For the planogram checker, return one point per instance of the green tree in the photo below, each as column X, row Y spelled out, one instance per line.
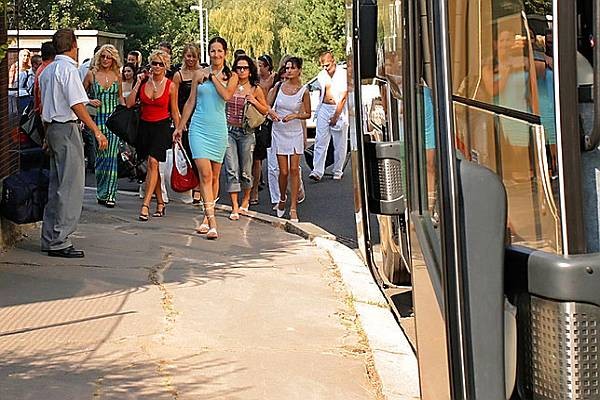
column 318, row 25
column 540, row 7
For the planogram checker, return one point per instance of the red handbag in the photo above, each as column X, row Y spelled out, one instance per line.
column 180, row 182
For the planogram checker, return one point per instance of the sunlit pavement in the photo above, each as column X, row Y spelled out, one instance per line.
column 156, row 311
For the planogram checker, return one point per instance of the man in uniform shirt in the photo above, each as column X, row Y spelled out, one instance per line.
column 332, row 118
column 63, row 100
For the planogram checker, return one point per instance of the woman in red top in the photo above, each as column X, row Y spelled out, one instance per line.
column 158, row 111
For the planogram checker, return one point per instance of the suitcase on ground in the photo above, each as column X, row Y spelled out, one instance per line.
column 24, row 196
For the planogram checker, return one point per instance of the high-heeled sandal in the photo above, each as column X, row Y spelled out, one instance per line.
column 209, row 209
column 279, row 210
column 144, row 217
column 162, row 212
column 292, row 212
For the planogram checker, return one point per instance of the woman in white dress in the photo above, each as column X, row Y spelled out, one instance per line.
column 290, row 106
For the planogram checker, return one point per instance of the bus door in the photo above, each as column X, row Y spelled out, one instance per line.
column 376, row 101
column 521, row 323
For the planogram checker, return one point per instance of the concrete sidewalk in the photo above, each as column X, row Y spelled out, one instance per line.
column 155, row 311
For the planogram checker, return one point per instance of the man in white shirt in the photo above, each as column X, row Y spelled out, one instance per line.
column 63, row 101
column 332, row 118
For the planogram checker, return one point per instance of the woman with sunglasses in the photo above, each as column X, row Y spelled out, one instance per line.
column 211, row 88
column 183, row 83
column 158, row 101
column 238, row 157
column 103, row 82
column 291, row 105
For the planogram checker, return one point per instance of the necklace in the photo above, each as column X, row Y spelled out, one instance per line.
column 241, row 87
column 156, row 87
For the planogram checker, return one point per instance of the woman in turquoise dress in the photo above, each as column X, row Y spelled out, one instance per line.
column 103, row 84
column 211, row 88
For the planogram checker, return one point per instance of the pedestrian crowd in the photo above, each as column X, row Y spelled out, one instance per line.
column 207, row 108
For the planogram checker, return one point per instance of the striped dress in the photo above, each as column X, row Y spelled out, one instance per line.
column 106, row 160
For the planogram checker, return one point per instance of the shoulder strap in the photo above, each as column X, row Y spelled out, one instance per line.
column 277, row 87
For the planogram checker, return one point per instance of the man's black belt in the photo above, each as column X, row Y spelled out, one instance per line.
column 73, row 121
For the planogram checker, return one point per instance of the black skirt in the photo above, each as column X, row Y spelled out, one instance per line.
column 155, row 138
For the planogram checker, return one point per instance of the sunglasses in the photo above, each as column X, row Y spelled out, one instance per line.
column 106, row 57
column 157, row 64
column 242, row 68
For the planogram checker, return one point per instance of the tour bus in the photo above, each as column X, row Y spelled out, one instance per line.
column 480, row 188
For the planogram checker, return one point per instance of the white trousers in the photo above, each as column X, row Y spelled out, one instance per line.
column 273, row 176
column 324, row 133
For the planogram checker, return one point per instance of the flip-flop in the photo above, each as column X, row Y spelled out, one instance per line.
column 234, row 216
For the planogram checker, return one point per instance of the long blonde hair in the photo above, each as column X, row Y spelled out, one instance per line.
column 114, row 53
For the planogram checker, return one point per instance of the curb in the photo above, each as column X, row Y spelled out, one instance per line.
column 393, row 356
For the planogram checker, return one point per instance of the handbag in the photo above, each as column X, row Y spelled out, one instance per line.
column 31, row 124
column 93, row 111
column 124, row 122
column 252, row 117
column 183, row 177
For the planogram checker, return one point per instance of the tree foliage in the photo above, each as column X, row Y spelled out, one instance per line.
column 276, row 27
column 539, row 7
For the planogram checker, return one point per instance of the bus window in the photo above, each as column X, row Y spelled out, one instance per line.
column 503, row 88
column 391, row 42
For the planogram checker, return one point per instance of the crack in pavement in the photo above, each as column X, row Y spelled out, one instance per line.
column 156, row 278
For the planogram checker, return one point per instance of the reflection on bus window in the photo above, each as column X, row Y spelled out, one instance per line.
column 500, row 60
column 429, row 127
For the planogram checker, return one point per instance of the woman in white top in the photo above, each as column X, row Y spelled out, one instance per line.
column 290, row 106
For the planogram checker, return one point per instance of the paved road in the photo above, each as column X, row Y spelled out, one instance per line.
column 155, row 311
column 329, row 204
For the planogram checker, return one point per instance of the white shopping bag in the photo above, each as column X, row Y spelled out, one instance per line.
column 180, row 160
column 164, row 169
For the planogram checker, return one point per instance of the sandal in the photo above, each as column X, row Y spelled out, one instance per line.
column 196, row 201
column 203, row 229
column 293, row 215
column 144, row 217
column 212, row 234
column 281, row 211
column 162, row 212
column 110, row 204
column 234, row 216
column 254, row 202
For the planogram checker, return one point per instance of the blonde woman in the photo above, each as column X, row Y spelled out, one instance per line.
column 183, row 83
column 103, row 84
column 158, row 99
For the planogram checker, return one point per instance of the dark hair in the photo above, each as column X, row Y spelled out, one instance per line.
column 97, row 49
column 133, row 68
column 238, row 53
column 166, row 45
column 48, row 51
column 63, row 40
column 36, row 59
column 253, row 77
column 296, row 61
column 267, row 60
column 222, row 42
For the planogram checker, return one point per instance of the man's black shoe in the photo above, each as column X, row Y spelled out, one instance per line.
column 69, row 252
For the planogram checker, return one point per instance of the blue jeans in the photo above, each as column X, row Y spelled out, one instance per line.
column 238, row 159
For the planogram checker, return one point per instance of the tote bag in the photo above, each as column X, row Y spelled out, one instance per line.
column 183, row 177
